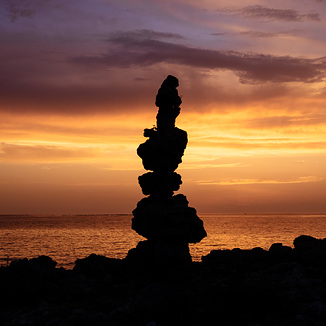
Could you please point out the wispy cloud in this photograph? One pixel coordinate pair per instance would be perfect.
(144, 34)
(231, 182)
(286, 121)
(46, 153)
(205, 165)
(272, 14)
(19, 9)
(293, 15)
(260, 34)
(242, 145)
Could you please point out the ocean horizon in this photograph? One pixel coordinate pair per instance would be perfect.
(66, 238)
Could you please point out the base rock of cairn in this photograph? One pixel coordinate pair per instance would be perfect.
(163, 218)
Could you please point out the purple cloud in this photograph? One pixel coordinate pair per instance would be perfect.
(260, 34)
(258, 11)
(129, 49)
(21, 9)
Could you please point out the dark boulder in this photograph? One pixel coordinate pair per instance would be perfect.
(278, 252)
(168, 220)
(159, 184)
(96, 265)
(162, 152)
(310, 251)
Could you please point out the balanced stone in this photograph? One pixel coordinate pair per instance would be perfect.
(163, 218)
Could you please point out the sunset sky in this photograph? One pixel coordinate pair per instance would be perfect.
(78, 81)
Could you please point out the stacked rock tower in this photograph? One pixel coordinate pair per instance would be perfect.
(164, 218)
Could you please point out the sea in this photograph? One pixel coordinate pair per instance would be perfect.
(67, 238)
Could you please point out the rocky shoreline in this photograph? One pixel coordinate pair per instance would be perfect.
(281, 286)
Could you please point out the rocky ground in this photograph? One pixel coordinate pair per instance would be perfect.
(281, 286)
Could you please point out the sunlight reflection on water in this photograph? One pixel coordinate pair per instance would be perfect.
(66, 238)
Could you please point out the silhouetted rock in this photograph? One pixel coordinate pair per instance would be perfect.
(96, 265)
(41, 263)
(310, 250)
(280, 252)
(236, 259)
(279, 286)
(159, 184)
(168, 220)
(304, 242)
(168, 102)
(162, 152)
(165, 220)
(158, 253)
(167, 95)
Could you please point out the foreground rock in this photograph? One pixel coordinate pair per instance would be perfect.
(281, 286)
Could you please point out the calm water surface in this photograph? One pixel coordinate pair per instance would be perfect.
(66, 238)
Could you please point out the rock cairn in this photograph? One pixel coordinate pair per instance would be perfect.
(163, 218)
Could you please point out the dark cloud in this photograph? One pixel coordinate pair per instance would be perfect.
(128, 93)
(258, 11)
(266, 34)
(271, 14)
(75, 99)
(145, 34)
(36, 81)
(128, 49)
(22, 9)
(16, 13)
(219, 34)
(259, 34)
(140, 79)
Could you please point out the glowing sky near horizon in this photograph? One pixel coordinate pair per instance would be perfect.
(78, 83)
